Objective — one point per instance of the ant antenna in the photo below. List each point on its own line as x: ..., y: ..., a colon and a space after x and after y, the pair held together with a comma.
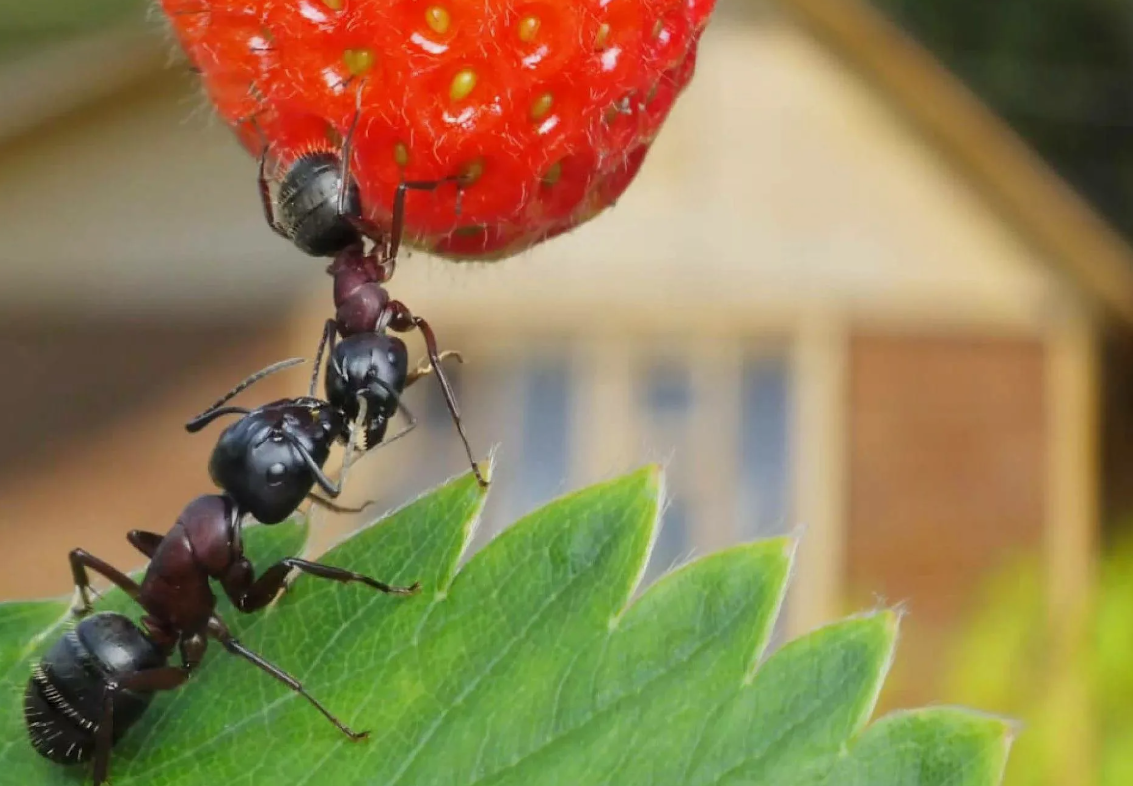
x: 330, y: 330
x: 316, y: 471
x: 207, y: 417
x: 240, y: 388
x: 347, y: 457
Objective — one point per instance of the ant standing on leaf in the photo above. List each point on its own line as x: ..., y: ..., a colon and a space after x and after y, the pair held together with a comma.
x: 99, y: 678
x: 319, y: 210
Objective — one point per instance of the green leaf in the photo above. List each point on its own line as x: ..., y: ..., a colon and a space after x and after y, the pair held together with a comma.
x: 533, y: 664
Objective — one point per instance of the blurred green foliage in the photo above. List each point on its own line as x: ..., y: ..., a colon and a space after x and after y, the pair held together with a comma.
x: 1059, y: 71
x: 27, y: 26
x: 1004, y: 663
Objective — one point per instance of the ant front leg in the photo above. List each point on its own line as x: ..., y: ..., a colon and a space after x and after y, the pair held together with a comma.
x: 162, y: 678
x: 266, y: 200
x: 402, y: 320
x: 397, y: 222
x: 81, y: 561
x: 412, y: 424
x: 334, y: 507
x: 425, y: 367
x: 348, y: 188
x: 326, y: 344
x: 250, y: 594
x: 219, y: 631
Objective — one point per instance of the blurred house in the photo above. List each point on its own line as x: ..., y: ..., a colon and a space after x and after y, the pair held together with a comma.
x: 841, y: 299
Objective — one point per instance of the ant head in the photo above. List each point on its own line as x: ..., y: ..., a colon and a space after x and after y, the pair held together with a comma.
x: 372, y: 366
x: 267, y: 461
x: 308, y: 205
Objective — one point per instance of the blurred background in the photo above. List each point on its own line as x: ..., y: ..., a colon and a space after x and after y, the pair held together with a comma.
x: 873, y: 286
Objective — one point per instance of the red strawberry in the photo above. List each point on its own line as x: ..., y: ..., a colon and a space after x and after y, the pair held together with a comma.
x: 547, y: 107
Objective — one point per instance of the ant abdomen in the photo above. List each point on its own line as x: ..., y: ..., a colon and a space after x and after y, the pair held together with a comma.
x: 308, y: 209
x: 65, y: 695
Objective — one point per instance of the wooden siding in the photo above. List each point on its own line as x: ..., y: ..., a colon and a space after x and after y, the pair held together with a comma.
x: 947, y: 474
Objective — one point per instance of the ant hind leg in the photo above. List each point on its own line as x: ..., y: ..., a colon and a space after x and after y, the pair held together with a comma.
x: 81, y: 562
x: 219, y: 631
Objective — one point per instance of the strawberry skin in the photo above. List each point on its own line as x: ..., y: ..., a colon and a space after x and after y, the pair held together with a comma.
x: 545, y: 108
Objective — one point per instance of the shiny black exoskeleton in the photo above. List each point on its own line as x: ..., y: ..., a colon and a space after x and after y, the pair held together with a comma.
x: 89, y: 666
x: 369, y: 367
x: 269, y: 460
x: 308, y: 210
x: 319, y: 210
x: 319, y: 205
x: 97, y: 680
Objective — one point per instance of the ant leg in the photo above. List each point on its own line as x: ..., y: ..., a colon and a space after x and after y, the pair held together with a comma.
x: 162, y: 678
x: 218, y: 630
x: 265, y: 198
x: 412, y: 424
x: 326, y: 343
x: 425, y: 367
x: 397, y: 222
x: 360, y: 223
x: 403, y: 321
x: 341, y: 575
x: 81, y: 561
x: 352, y: 452
x: 346, y: 152
x: 145, y: 542
x: 349, y: 455
x: 334, y: 507
x: 264, y: 589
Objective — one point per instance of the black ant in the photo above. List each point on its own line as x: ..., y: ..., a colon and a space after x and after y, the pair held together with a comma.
x: 272, y: 457
x: 320, y: 211
x: 99, y: 678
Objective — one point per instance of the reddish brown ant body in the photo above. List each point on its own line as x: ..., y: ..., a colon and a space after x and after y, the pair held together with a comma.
x: 99, y: 678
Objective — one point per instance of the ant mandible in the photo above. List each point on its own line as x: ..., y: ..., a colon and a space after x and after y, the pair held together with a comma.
x: 99, y: 678
x: 320, y: 211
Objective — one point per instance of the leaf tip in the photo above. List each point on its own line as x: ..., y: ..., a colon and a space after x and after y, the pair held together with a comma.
x: 652, y: 476
x: 1004, y: 727
x: 487, y: 467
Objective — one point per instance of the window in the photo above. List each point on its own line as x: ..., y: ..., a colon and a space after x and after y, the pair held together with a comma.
x: 765, y: 483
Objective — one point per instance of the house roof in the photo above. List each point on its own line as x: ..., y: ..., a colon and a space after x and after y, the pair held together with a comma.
x: 1042, y: 208
x: 1015, y: 179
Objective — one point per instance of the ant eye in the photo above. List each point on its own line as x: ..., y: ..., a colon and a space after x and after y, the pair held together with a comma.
x: 276, y: 472
x: 392, y: 358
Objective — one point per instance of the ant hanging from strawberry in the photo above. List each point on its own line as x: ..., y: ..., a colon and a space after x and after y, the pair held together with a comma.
x: 319, y: 210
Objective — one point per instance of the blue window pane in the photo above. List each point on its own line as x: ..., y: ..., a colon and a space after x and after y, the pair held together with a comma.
x: 545, y: 449
x: 668, y: 389
x: 765, y: 448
